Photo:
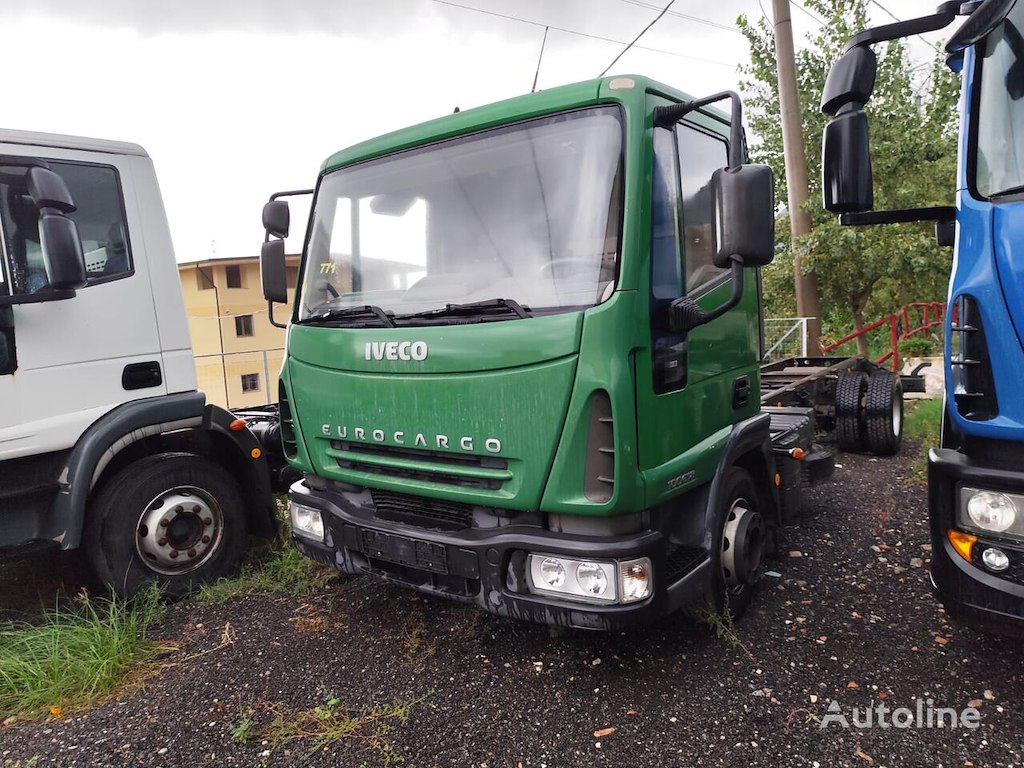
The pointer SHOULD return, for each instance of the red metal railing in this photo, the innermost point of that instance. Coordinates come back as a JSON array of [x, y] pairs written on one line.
[[899, 329]]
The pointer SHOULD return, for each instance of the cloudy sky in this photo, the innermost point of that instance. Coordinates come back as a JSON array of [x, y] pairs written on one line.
[[235, 99]]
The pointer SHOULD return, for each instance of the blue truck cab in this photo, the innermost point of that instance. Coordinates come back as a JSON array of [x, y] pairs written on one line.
[[976, 475]]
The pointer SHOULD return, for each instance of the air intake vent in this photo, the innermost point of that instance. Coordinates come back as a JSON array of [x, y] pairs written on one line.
[[973, 386], [599, 472], [422, 511], [291, 450]]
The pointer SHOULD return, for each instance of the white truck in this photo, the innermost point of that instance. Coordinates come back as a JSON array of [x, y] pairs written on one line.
[[105, 442]]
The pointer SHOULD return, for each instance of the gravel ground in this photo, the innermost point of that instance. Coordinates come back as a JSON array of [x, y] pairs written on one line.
[[849, 619]]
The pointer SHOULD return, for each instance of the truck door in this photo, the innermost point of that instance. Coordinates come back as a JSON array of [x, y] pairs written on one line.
[[65, 363], [685, 385]]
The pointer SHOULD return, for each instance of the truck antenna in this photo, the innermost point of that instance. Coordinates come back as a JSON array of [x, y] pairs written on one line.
[[623, 52], [540, 58]]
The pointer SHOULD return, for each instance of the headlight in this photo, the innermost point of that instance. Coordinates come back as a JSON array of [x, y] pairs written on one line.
[[306, 521], [991, 512], [596, 581]]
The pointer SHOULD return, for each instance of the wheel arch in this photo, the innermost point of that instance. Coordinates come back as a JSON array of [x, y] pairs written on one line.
[[176, 423]]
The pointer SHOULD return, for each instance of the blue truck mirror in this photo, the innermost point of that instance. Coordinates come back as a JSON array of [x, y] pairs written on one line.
[[846, 164]]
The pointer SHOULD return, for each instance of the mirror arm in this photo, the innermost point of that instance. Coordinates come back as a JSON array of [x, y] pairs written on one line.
[[685, 314], [669, 115], [943, 17], [270, 316]]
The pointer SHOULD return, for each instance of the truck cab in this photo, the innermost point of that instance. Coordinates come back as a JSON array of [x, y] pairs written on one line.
[[522, 367], [105, 443], [975, 483]]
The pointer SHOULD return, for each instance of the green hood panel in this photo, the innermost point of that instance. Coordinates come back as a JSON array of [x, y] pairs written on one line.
[[486, 437], [465, 348]]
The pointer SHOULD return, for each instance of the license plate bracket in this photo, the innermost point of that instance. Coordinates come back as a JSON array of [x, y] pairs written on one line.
[[403, 550]]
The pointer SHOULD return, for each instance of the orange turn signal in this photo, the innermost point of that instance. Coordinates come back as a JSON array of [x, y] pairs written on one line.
[[778, 479], [255, 453], [237, 425], [962, 542], [797, 453]]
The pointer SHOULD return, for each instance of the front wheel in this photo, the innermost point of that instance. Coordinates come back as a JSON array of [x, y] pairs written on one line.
[[174, 519], [738, 544]]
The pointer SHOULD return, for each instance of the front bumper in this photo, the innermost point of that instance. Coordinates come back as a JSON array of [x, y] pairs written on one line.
[[483, 566], [971, 593]]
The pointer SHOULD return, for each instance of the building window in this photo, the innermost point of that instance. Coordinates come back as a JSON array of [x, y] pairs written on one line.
[[204, 281], [243, 325], [291, 276], [250, 382], [233, 273]]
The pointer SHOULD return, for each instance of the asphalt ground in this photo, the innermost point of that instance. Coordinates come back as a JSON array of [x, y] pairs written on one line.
[[404, 679]]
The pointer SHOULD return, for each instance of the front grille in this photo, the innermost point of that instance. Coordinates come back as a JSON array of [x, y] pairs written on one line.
[[467, 471], [288, 441], [422, 511], [974, 390]]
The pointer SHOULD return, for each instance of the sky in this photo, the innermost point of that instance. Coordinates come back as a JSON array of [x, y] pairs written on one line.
[[237, 99]]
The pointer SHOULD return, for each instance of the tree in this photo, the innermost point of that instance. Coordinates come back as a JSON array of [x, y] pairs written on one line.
[[863, 272]]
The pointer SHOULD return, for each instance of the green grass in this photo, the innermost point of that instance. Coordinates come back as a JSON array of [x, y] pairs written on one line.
[[326, 724], [922, 423], [283, 572], [76, 657]]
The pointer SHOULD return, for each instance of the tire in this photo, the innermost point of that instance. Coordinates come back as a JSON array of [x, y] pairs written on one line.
[[850, 389], [883, 413], [173, 519], [738, 544]]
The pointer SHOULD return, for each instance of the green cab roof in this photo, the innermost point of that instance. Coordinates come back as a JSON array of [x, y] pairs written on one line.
[[583, 94]]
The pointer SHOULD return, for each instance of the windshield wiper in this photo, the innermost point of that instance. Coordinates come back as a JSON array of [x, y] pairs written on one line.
[[365, 311], [475, 308]]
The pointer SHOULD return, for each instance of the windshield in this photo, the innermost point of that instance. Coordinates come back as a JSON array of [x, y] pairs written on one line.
[[528, 214], [1000, 122]]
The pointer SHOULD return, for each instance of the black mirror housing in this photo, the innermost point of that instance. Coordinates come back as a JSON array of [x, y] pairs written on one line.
[[846, 164], [62, 251], [276, 218], [273, 274], [851, 80], [744, 215], [48, 190]]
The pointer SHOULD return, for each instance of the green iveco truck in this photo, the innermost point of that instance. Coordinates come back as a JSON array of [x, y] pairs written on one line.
[[523, 362]]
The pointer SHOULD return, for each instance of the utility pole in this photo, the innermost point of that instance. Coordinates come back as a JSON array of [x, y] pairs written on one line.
[[807, 302]]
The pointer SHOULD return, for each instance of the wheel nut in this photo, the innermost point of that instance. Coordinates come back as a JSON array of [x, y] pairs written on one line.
[[191, 553], [174, 554], [179, 509], [164, 523], [196, 509], [163, 542], [207, 520], [206, 539]]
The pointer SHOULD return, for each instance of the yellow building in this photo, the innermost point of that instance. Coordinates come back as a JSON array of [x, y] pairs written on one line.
[[238, 352]]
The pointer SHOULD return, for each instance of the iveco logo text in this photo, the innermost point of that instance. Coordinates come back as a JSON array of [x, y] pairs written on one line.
[[418, 440], [396, 350]]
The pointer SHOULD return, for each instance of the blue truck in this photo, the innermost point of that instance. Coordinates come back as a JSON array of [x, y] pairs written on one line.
[[976, 475]]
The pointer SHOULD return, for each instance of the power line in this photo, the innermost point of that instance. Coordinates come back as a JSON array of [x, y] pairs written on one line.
[[623, 53], [688, 17], [803, 10], [509, 17]]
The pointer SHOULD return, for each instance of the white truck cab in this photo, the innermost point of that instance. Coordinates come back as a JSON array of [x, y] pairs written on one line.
[[104, 440]]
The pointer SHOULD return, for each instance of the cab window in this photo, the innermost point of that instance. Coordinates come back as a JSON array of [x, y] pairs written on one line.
[[100, 218]]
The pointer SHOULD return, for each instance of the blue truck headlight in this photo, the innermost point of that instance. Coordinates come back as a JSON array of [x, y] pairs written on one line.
[[991, 512], [594, 581], [306, 521]]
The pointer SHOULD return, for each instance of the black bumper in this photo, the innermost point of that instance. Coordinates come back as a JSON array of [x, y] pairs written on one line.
[[483, 566], [970, 592]]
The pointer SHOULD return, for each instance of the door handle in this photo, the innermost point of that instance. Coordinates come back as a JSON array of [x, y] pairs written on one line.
[[142, 375]]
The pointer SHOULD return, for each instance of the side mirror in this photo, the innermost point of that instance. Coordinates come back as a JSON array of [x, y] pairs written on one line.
[[276, 218], [273, 274], [851, 80], [744, 215], [62, 251], [846, 184]]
